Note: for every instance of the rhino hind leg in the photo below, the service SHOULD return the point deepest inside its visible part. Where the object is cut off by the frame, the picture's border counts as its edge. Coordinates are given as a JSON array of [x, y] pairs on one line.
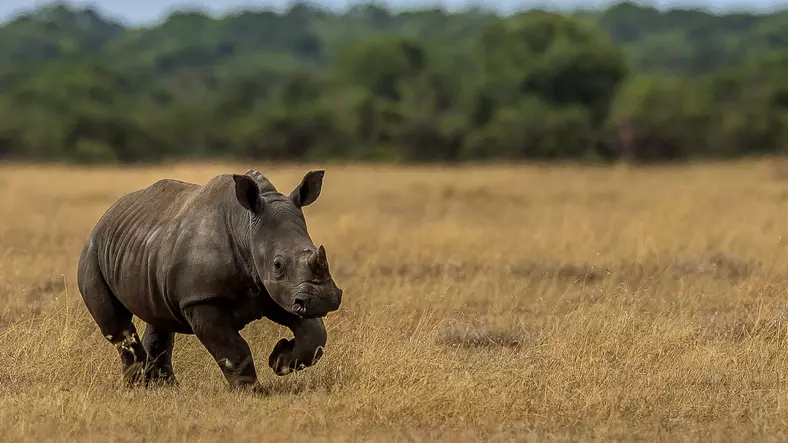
[[112, 318], [159, 344], [132, 355]]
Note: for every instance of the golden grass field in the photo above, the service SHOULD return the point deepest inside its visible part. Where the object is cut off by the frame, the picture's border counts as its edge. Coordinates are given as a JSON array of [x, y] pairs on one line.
[[495, 303]]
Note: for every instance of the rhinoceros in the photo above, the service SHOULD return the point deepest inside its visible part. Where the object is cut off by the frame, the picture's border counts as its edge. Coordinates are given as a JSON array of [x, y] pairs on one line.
[[208, 260]]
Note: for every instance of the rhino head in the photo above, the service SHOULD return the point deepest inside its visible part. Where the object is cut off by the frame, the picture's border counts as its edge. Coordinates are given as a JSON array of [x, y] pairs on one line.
[[293, 270]]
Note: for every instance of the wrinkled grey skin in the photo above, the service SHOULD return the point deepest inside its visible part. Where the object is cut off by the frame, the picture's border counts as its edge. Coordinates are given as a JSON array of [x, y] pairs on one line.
[[207, 260]]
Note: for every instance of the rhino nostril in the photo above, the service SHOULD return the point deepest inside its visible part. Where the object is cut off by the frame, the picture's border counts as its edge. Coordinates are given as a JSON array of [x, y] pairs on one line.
[[299, 306]]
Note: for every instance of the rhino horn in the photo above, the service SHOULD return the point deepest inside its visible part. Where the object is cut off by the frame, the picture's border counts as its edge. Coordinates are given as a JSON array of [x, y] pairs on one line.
[[318, 260]]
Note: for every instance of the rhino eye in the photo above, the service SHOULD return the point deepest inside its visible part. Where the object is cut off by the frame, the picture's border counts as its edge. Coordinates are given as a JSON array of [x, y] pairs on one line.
[[278, 267]]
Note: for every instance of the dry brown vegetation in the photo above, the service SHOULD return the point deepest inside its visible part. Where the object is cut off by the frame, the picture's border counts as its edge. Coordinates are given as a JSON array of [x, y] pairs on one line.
[[481, 303]]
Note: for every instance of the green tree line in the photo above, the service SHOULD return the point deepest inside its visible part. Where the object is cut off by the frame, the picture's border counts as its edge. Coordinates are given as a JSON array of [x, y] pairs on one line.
[[627, 82]]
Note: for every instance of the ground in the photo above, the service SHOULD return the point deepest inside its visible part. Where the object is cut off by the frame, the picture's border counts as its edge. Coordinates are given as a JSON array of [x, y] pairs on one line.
[[495, 303]]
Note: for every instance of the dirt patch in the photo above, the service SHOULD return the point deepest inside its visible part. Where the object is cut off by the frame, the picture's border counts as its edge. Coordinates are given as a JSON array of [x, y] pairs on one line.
[[480, 195], [593, 197], [716, 265], [475, 335], [462, 271], [576, 272]]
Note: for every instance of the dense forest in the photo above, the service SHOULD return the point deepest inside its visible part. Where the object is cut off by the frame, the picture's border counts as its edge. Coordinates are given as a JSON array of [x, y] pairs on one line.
[[628, 82]]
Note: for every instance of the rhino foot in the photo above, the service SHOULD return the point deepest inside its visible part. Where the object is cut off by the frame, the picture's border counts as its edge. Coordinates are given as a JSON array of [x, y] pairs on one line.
[[280, 357], [285, 358], [160, 377], [134, 375], [158, 343], [139, 375]]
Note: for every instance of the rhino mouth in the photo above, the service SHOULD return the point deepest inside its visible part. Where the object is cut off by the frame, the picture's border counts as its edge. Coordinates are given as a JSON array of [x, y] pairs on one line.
[[313, 301]]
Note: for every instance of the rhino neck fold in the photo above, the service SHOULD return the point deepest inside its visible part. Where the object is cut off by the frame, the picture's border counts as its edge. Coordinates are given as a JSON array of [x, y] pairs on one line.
[[240, 225]]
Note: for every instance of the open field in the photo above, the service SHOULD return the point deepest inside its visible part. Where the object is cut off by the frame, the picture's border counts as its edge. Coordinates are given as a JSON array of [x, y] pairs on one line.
[[481, 303]]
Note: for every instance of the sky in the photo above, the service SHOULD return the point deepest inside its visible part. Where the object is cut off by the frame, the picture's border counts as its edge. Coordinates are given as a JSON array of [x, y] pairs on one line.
[[147, 11]]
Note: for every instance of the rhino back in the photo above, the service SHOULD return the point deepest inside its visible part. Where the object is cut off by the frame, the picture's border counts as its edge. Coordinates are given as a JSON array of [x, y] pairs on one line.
[[148, 241]]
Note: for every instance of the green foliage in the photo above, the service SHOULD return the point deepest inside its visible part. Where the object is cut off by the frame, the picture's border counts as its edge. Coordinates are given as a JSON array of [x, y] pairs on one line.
[[629, 82], [660, 117]]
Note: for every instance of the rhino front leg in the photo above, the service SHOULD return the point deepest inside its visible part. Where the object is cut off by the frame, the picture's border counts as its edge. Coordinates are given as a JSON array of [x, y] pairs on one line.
[[304, 350], [214, 328], [158, 345]]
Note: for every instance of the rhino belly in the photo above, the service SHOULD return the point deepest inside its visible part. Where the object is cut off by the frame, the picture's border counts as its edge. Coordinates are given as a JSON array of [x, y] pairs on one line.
[[138, 288]]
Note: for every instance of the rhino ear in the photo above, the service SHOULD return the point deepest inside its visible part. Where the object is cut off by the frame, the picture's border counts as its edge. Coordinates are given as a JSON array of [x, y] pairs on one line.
[[247, 193], [307, 192]]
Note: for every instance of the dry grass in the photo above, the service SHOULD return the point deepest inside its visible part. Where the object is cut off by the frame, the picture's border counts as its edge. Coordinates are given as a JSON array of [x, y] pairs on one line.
[[496, 304]]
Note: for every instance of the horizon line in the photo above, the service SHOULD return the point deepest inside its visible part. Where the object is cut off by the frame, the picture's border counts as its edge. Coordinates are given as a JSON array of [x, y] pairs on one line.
[[119, 18]]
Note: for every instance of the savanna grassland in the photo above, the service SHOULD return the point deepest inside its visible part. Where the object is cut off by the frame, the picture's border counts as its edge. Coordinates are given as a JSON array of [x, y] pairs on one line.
[[481, 303]]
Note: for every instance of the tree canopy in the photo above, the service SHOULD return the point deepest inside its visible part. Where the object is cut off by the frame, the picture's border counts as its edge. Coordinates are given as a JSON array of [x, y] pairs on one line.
[[626, 82]]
